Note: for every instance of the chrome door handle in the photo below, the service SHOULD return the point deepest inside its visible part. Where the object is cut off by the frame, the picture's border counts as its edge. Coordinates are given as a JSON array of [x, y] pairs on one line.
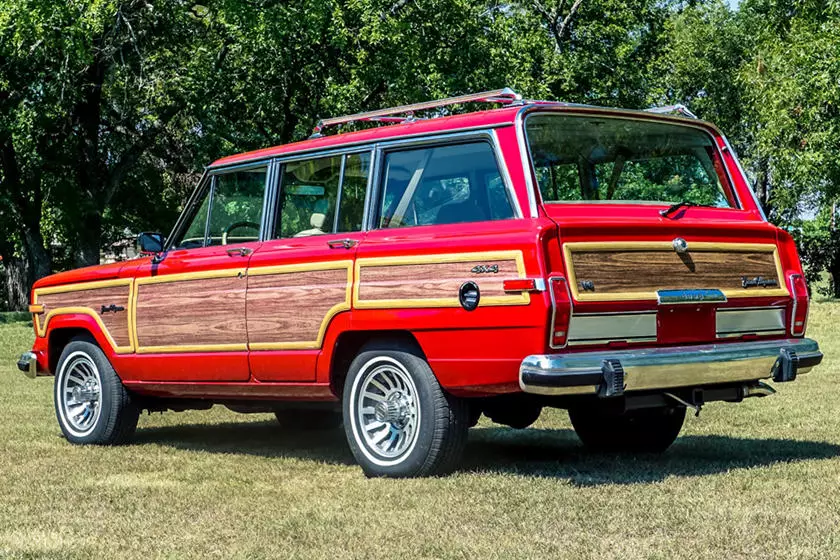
[[342, 243], [239, 252]]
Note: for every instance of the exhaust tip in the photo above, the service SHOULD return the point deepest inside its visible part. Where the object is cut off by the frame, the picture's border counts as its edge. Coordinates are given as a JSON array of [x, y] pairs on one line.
[[759, 389]]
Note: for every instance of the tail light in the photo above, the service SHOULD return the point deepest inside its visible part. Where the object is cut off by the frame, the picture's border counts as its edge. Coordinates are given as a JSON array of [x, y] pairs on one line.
[[561, 313], [799, 314]]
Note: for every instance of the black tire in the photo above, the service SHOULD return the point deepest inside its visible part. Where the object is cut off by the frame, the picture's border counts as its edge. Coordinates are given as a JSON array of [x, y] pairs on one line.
[[439, 432], [309, 420], [113, 416], [648, 430]]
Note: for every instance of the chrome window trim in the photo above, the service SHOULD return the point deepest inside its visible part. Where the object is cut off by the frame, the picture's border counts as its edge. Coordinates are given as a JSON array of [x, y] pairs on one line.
[[483, 134], [338, 194], [528, 167]]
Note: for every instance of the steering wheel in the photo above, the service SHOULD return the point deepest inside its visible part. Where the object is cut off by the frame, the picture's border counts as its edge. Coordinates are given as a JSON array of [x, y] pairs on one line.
[[238, 225]]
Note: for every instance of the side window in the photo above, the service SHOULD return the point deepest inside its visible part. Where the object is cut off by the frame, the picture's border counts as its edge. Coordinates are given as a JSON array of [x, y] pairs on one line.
[[309, 195], [230, 211], [443, 185], [308, 191]]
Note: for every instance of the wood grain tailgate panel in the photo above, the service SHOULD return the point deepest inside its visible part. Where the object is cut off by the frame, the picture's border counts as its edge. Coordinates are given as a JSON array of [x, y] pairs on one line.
[[649, 271]]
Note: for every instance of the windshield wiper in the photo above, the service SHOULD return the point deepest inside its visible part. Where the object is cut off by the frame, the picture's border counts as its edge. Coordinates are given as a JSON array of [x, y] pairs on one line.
[[674, 207]]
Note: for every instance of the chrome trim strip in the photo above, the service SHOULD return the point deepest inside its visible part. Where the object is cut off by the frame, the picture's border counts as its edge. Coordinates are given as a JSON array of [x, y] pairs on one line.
[[687, 297], [662, 368], [737, 322], [505, 174], [593, 329]]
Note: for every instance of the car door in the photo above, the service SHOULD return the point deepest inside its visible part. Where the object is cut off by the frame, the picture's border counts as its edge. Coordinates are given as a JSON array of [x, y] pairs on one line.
[[189, 304], [301, 276]]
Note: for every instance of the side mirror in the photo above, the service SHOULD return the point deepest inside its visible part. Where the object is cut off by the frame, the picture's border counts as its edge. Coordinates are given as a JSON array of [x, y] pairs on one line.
[[150, 242]]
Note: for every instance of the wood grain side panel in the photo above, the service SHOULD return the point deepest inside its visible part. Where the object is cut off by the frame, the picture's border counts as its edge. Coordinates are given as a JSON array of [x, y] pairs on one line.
[[432, 280], [201, 312], [292, 307], [649, 271], [116, 323]]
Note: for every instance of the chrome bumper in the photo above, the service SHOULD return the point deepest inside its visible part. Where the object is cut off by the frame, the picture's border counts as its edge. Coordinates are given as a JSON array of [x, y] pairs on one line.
[[611, 373], [28, 364]]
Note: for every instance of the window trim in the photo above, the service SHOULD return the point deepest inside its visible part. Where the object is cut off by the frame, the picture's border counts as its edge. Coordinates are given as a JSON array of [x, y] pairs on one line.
[[344, 153], [453, 139], [530, 171]]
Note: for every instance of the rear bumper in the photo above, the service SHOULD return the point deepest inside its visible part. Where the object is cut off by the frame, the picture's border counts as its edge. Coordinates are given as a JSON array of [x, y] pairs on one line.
[[611, 373]]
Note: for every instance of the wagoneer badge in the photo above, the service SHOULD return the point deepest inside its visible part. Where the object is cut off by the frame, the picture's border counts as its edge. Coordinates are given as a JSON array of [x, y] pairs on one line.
[[758, 282]]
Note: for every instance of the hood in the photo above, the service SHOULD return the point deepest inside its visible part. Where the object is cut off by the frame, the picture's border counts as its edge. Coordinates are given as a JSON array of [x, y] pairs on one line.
[[94, 273]]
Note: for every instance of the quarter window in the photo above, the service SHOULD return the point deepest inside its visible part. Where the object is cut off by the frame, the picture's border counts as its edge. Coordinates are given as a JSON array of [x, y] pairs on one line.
[[443, 185]]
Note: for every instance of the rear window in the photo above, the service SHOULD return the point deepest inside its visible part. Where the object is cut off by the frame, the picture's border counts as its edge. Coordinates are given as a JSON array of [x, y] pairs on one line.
[[608, 159]]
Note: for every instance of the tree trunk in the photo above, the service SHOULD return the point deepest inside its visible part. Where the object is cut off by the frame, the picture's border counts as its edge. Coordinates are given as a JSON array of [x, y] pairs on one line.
[[89, 239], [834, 269], [16, 284]]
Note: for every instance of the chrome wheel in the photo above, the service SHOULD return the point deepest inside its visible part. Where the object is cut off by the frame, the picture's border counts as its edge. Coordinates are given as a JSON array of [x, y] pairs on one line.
[[387, 411], [80, 393]]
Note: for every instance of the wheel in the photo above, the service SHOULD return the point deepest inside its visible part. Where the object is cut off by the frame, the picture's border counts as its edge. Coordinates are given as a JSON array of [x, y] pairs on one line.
[[398, 420], [309, 420], [91, 403], [648, 430]]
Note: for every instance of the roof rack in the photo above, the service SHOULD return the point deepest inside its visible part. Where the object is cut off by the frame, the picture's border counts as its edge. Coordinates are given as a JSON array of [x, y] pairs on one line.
[[505, 96], [679, 110]]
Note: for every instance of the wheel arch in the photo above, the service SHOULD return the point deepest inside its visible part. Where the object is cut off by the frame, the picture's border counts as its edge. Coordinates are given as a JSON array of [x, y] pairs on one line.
[[348, 344], [64, 328]]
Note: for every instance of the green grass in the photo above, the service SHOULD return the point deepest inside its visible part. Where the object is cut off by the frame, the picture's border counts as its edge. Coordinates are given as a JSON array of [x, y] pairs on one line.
[[750, 480]]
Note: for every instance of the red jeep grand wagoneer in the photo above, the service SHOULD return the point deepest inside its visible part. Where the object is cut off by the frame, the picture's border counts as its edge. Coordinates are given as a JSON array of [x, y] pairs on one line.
[[405, 279]]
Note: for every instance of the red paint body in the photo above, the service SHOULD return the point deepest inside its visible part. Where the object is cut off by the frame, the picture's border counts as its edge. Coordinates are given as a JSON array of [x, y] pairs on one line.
[[471, 353]]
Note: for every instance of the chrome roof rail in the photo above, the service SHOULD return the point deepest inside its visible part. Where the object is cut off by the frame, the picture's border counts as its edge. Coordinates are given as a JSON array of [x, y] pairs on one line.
[[405, 113], [679, 110]]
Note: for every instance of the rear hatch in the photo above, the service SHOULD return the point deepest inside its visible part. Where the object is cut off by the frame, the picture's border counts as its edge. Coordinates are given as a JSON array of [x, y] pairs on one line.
[[635, 277]]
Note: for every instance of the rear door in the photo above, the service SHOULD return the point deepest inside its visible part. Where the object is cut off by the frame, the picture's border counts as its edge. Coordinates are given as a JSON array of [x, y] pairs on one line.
[[189, 308], [301, 277], [445, 228]]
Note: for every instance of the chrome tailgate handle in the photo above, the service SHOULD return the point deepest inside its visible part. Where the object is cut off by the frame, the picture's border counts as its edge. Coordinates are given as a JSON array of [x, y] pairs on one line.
[[239, 251], [346, 243]]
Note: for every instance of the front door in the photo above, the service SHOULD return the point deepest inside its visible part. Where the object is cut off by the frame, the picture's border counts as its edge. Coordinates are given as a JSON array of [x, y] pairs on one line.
[[301, 278], [189, 308]]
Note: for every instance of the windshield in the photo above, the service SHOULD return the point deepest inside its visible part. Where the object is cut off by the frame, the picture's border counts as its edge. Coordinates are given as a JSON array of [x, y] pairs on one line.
[[609, 159]]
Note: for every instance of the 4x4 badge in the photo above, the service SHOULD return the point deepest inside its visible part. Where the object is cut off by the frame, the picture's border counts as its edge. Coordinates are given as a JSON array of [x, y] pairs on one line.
[[485, 269]]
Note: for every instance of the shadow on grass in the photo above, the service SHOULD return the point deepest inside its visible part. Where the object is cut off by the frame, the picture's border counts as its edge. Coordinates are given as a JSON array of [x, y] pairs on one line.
[[558, 453], [531, 452]]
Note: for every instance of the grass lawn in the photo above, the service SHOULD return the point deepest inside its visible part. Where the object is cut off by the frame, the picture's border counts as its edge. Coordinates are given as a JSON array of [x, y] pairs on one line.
[[751, 480]]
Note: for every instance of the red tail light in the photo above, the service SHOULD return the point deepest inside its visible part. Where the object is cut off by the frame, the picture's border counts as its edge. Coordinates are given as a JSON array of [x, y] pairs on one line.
[[799, 314], [561, 311]]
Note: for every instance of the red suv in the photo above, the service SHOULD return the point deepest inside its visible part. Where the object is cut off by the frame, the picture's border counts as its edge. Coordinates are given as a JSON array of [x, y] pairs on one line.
[[406, 279]]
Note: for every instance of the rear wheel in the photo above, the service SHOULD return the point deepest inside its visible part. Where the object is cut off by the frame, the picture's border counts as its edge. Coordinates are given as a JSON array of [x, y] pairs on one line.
[[648, 430], [91, 403], [398, 420]]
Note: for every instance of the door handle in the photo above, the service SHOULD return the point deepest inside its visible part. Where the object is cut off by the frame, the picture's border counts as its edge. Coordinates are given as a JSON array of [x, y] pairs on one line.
[[239, 252], [342, 243]]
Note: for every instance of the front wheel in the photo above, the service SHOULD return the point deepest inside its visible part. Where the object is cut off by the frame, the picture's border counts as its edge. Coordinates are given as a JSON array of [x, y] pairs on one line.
[[91, 403], [647, 430], [398, 420]]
